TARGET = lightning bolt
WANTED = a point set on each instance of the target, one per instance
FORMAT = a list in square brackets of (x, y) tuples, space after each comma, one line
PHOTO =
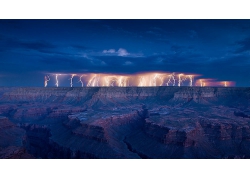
[(71, 79), (46, 79), (191, 80), (94, 81), (97, 80), (169, 80), (171, 76), (181, 78), (111, 80), (202, 84), (142, 81), (112, 83), (80, 80), (122, 81), (57, 82), (154, 80), (90, 81), (161, 79), (106, 81)]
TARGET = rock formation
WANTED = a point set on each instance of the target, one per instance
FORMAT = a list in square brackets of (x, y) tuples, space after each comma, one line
[(125, 122)]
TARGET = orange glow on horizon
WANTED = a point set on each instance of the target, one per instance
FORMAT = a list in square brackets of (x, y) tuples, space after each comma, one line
[(147, 79)]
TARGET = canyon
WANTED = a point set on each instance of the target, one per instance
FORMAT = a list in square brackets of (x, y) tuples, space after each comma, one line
[(125, 122)]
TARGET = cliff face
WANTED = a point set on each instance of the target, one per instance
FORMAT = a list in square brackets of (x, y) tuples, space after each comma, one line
[(90, 95), (125, 122), (11, 137), (10, 133), (205, 140)]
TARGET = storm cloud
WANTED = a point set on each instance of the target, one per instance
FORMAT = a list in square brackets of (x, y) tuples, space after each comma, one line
[(29, 49)]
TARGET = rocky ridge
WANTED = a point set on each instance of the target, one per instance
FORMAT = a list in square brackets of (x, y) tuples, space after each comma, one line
[(125, 122)]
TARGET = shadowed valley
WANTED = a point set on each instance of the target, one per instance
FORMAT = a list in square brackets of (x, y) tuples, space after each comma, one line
[(125, 122)]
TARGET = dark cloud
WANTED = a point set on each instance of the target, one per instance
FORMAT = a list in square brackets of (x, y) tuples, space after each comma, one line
[(215, 48), (10, 44), (177, 48), (13, 43), (61, 64), (80, 47), (244, 45), (38, 45)]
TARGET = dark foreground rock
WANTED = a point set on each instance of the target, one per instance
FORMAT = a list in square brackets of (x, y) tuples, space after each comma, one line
[(129, 122)]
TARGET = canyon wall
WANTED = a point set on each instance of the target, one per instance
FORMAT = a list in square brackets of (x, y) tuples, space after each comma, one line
[(125, 122)]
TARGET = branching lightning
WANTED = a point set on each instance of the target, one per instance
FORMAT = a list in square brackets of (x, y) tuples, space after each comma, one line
[(156, 77), (181, 78), (122, 81), (94, 81), (80, 80), (110, 80), (171, 79), (140, 79), (71, 79), (46, 79), (57, 82)]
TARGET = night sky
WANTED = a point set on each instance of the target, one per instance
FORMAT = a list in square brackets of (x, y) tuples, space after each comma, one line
[(29, 49)]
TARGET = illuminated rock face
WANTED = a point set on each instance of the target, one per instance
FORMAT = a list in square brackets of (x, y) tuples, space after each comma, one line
[(125, 122)]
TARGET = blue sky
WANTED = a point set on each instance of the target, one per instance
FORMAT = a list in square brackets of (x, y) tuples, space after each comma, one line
[(29, 49)]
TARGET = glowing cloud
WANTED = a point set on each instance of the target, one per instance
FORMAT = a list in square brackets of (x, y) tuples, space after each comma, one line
[(141, 80)]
